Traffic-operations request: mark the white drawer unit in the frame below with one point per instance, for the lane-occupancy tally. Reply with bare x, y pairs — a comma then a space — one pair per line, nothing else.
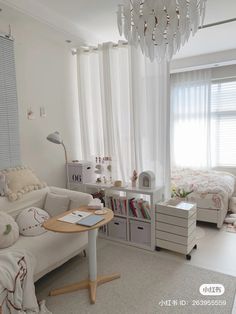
140, 232
117, 228
176, 227
80, 172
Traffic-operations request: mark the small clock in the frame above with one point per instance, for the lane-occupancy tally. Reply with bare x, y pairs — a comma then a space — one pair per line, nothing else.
146, 180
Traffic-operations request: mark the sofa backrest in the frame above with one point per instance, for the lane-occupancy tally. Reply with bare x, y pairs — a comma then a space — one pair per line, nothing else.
77, 199
35, 198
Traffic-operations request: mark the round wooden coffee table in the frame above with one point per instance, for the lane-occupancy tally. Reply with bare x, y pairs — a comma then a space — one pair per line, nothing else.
53, 224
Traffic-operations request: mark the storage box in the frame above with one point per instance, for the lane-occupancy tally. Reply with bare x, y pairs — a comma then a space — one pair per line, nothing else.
117, 228
140, 232
81, 172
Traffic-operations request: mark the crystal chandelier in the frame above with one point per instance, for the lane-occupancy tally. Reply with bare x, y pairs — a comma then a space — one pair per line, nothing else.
160, 27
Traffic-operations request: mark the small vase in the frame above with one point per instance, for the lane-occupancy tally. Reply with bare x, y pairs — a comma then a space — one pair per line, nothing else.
133, 184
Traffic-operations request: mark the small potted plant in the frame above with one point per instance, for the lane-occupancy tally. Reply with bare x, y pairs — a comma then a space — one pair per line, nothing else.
180, 193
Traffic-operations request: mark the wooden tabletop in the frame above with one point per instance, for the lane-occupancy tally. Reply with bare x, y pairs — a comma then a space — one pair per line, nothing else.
53, 224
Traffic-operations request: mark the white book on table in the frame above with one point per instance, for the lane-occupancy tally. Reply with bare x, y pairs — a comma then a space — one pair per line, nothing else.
74, 217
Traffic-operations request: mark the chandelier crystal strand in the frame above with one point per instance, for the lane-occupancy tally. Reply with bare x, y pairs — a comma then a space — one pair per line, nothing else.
160, 27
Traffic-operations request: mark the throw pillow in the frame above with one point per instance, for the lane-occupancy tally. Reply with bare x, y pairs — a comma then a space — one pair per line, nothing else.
30, 221
21, 180
3, 185
56, 204
9, 230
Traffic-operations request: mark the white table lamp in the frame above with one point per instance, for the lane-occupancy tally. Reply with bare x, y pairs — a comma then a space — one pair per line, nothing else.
56, 139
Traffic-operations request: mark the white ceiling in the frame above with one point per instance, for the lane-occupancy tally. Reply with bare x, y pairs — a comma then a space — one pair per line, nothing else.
95, 21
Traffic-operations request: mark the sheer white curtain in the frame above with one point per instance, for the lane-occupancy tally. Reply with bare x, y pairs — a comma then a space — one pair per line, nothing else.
124, 110
190, 119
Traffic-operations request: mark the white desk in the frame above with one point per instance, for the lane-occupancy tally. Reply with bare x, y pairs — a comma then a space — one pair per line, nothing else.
53, 224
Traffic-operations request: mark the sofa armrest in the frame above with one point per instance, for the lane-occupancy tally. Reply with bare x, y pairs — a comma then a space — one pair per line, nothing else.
77, 199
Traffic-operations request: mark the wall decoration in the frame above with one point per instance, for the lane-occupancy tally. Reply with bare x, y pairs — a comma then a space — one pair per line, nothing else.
30, 114
43, 112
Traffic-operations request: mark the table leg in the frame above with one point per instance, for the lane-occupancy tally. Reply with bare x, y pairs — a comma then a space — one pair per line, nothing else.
93, 280
92, 250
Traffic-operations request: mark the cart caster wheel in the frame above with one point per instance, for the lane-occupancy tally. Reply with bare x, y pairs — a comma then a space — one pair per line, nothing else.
158, 248
195, 247
188, 257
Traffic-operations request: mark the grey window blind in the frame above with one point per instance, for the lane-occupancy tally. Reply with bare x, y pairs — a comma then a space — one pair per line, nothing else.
9, 124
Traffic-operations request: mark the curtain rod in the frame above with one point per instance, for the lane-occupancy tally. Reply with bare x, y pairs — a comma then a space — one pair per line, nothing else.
6, 37
217, 23
86, 49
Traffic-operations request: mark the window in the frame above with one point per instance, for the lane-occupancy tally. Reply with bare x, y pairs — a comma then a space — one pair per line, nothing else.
203, 120
223, 122
9, 129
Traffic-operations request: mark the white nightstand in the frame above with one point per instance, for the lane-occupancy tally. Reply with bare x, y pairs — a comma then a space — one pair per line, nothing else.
176, 227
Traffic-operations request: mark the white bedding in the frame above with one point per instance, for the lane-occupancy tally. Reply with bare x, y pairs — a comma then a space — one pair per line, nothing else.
211, 189
17, 293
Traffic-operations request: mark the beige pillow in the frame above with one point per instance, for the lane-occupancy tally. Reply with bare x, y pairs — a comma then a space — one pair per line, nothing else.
21, 180
56, 204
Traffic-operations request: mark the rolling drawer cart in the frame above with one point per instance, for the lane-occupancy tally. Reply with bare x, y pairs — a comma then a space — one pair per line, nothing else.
176, 227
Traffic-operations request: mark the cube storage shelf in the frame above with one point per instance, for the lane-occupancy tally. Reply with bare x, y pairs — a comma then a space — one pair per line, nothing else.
128, 226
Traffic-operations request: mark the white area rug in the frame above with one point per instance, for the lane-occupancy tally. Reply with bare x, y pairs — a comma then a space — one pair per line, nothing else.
201, 233
147, 280
230, 228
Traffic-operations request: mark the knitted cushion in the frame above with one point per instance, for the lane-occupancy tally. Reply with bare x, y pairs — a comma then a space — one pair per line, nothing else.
21, 180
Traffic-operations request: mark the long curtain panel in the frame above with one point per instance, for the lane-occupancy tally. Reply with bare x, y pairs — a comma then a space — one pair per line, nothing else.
124, 110
190, 119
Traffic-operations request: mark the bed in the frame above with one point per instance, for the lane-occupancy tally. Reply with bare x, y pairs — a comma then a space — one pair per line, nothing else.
212, 191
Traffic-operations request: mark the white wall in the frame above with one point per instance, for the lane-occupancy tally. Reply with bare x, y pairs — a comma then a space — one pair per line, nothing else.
46, 76
220, 58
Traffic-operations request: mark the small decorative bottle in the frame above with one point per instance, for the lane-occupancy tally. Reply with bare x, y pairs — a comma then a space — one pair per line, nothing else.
134, 178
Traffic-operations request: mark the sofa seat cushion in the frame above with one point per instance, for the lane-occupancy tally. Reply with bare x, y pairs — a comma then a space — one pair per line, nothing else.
51, 249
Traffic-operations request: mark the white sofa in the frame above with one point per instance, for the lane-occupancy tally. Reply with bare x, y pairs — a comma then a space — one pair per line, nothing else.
50, 249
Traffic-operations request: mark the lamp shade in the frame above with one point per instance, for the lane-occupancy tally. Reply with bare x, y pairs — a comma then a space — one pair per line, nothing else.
55, 138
